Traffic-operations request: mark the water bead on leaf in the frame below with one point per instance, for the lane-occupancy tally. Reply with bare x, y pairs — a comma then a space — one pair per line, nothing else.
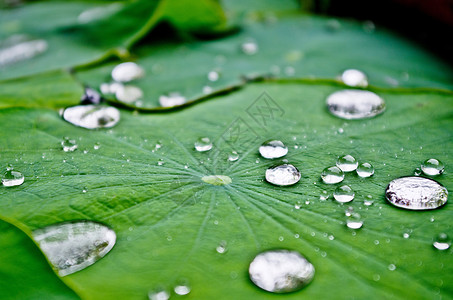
355, 104
347, 163
354, 78
432, 167
365, 170
92, 116
127, 71
203, 144
273, 149
343, 194
332, 175
283, 175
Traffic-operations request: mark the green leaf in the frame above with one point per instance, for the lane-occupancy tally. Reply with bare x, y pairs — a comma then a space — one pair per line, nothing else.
24, 271
169, 221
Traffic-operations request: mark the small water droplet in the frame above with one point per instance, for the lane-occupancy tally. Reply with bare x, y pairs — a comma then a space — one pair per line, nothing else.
297, 205
283, 175
159, 295
417, 172
12, 178
347, 163
233, 156
432, 167
128, 93
354, 221
73, 246
273, 149
332, 175
203, 144
68, 145
416, 193
182, 289
96, 146
392, 267
365, 170
127, 71
406, 235
160, 162
19, 48
355, 104
92, 116
249, 47
207, 89
213, 76
343, 194
289, 71
281, 271
172, 99
222, 247
354, 78
90, 96
442, 242
324, 196
217, 179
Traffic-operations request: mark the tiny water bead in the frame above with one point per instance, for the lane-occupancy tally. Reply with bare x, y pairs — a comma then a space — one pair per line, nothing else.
249, 47
213, 76
355, 104
222, 247
233, 156
417, 172
281, 271
432, 167
92, 116
442, 242
73, 246
68, 144
347, 163
354, 78
343, 194
354, 221
12, 178
332, 175
203, 144
365, 170
416, 193
273, 149
172, 99
127, 71
159, 295
324, 196
283, 175
217, 179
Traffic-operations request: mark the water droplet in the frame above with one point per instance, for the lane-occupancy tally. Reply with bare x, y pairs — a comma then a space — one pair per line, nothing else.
332, 175
417, 172
182, 289
392, 267
273, 149
217, 179
354, 221
442, 242
416, 193
19, 48
203, 144
281, 271
213, 76
160, 162
233, 156
297, 205
343, 194
347, 163
98, 13
282, 175
172, 99
222, 247
207, 89
68, 145
324, 196
90, 96
127, 71
355, 78
128, 93
365, 170
92, 116
406, 235
249, 47
71, 247
159, 295
432, 167
96, 146
12, 178
355, 104
333, 25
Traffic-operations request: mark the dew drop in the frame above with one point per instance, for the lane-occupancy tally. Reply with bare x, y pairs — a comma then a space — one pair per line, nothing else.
392, 267
213, 76
416, 193
217, 179
417, 172
432, 167
354, 78
442, 242
203, 144
159, 295
249, 47
332, 175
347, 163
273, 149
354, 221
172, 99
128, 93
12, 178
73, 246
160, 162
233, 156
68, 145
281, 271
19, 48
355, 104
127, 71
324, 196
96, 146
92, 116
182, 289
365, 170
343, 194
221, 247
283, 175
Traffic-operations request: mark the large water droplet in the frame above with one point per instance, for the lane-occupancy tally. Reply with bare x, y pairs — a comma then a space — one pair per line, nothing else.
217, 179
282, 175
273, 149
442, 242
432, 167
68, 145
71, 247
249, 47
355, 78
203, 144
18, 48
355, 104
12, 178
344, 194
172, 99
127, 93
416, 193
365, 170
92, 116
332, 175
127, 71
354, 221
281, 271
347, 163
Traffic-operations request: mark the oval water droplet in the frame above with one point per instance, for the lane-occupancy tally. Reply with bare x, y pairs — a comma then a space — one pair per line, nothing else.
182, 290
281, 271
222, 247
233, 156
127, 71
344, 194
355, 78
12, 178
19, 48
355, 104
68, 145
92, 116
249, 47
432, 167
332, 175
172, 99
442, 242
347, 163
416, 193
159, 295
365, 170
273, 149
128, 93
283, 175
217, 179
417, 172
354, 221
213, 76
203, 144
73, 246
